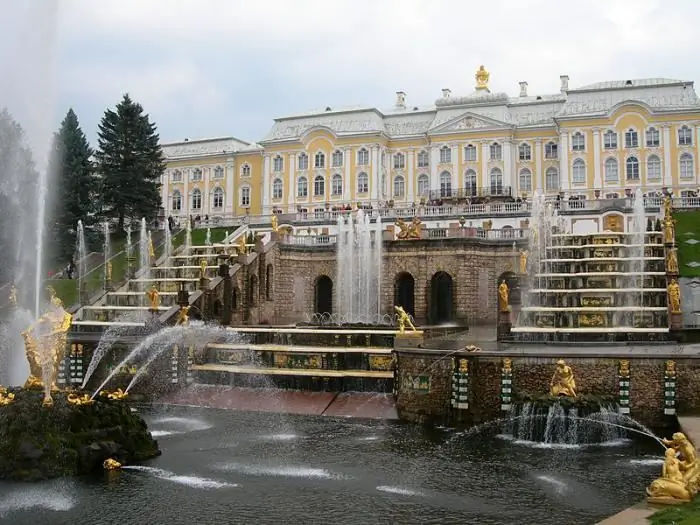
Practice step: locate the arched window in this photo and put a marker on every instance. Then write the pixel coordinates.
(302, 187)
(496, 181)
(277, 163)
(362, 157)
(631, 138)
(217, 198)
(218, 172)
(551, 150)
(610, 139)
(177, 176)
(399, 161)
(337, 185)
(423, 159)
(320, 160)
(423, 185)
(552, 179)
(277, 188)
(470, 183)
(525, 180)
(653, 167)
(196, 199)
(245, 170)
(611, 171)
(653, 138)
(687, 167)
(445, 155)
(632, 168)
(363, 183)
(319, 186)
(337, 159)
(578, 142)
(496, 151)
(469, 153)
(245, 196)
(399, 186)
(303, 162)
(579, 172)
(445, 184)
(197, 174)
(177, 200)
(685, 136)
(525, 152)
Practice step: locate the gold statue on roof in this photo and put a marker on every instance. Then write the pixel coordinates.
(482, 78)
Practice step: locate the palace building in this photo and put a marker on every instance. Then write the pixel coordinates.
(603, 140)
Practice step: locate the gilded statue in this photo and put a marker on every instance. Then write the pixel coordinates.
(503, 292)
(669, 229)
(108, 274)
(153, 298)
(668, 207)
(624, 369)
(672, 260)
(79, 400)
(563, 383)
(403, 319)
(183, 317)
(507, 365)
(463, 366)
(679, 479)
(111, 464)
(410, 230)
(117, 395)
(203, 269)
(472, 348)
(523, 261)
(670, 370)
(242, 248)
(482, 78)
(45, 344)
(674, 296)
(273, 220)
(151, 250)
(6, 398)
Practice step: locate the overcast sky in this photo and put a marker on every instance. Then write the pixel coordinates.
(206, 68)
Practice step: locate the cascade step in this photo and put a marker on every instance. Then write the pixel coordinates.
(303, 349)
(233, 369)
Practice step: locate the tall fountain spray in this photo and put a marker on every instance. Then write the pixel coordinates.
(107, 246)
(168, 250)
(208, 238)
(144, 258)
(81, 257)
(638, 231)
(188, 236)
(358, 267)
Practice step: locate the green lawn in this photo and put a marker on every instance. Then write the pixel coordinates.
(688, 514)
(688, 228)
(67, 289)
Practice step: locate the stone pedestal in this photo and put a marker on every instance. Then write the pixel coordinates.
(409, 339)
(504, 325)
(203, 284)
(675, 321)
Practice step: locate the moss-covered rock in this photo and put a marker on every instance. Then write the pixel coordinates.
(38, 443)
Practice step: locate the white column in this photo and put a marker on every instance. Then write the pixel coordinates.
(597, 179)
(230, 175)
(668, 173)
(266, 185)
(185, 209)
(410, 175)
(206, 173)
(347, 178)
(434, 158)
(456, 177)
(538, 176)
(291, 186)
(374, 177)
(508, 165)
(485, 183)
(164, 189)
(564, 162)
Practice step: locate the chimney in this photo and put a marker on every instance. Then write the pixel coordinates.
(400, 100)
(564, 83)
(523, 89)
(446, 93)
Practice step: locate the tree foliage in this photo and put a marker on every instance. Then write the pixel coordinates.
(130, 161)
(75, 182)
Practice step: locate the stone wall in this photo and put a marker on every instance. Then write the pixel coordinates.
(532, 374)
(474, 266)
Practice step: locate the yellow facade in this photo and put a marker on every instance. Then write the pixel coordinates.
(597, 141)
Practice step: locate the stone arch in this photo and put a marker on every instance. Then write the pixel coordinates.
(323, 295)
(404, 292)
(441, 302)
(514, 291)
(268, 282)
(253, 290)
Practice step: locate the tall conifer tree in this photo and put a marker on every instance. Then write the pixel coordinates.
(130, 161)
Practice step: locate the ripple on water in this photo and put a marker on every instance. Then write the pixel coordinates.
(181, 424)
(191, 481)
(281, 437)
(647, 461)
(44, 498)
(282, 471)
(399, 490)
(541, 444)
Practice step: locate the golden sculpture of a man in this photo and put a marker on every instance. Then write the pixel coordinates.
(45, 346)
(669, 229)
(672, 260)
(273, 221)
(153, 298)
(674, 296)
(523, 261)
(151, 250)
(242, 248)
(503, 292)
(183, 317)
(563, 383)
(403, 319)
(482, 78)
(203, 269)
